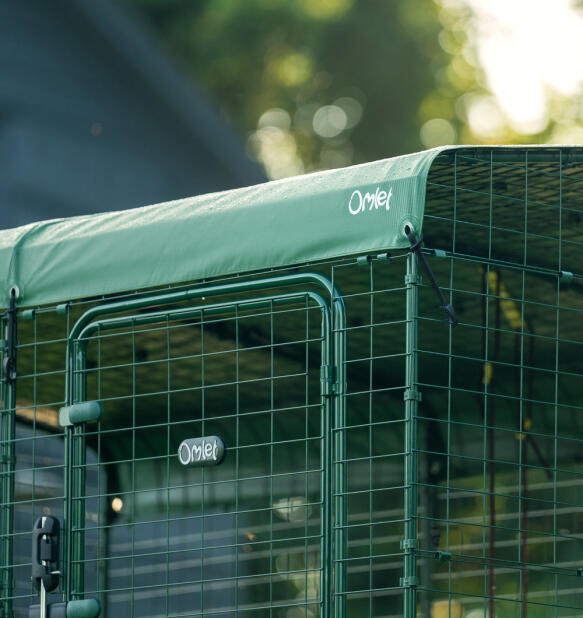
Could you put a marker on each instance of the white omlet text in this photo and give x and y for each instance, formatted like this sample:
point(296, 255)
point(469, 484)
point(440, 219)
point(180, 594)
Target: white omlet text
point(359, 202)
point(209, 450)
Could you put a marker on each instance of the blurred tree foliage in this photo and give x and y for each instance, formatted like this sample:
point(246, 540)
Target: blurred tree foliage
point(345, 81)
point(318, 84)
point(466, 95)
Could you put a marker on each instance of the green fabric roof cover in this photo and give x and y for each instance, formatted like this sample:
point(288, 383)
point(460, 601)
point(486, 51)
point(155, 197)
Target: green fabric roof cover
point(317, 216)
point(274, 224)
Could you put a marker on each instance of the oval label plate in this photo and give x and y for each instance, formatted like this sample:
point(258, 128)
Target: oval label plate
point(206, 451)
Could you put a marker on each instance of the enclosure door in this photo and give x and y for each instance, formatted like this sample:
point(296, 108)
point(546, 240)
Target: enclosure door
point(195, 533)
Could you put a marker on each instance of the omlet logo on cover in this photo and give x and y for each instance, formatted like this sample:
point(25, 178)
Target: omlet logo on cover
point(379, 199)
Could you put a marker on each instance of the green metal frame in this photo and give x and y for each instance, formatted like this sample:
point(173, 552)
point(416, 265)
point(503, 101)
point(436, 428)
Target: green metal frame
point(7, 463)
point(333, 346)
point(411, 397)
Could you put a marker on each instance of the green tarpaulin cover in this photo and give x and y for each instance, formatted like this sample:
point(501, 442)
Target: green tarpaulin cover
point(354, 210)
point(357, 209)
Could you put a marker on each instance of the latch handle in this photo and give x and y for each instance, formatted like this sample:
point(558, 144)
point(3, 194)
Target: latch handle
point(9, 362)
point(45, 553)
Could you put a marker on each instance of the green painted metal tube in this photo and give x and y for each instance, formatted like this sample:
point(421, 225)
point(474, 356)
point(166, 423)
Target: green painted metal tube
point(173, 297)
point(189, 312)
point(409, 544)
point(87, 608)
point(83, 412)
point(215, 290)
point(7, 463)
point(339, 327)
point(326, 475)
point(7, 452)
point(76, 437)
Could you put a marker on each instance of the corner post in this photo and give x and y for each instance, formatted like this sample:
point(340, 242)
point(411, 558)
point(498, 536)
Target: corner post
point(409, 580)
point(7, 453)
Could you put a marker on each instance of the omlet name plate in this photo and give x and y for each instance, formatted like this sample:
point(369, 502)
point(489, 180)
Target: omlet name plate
point(207, 451)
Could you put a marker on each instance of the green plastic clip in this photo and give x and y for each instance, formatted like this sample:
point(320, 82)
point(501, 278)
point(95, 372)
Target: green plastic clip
point(364, 260)
point(62, 309)
point(83, 412)
point(443, 556)
point(412, 394)
point(28, 315)
point(327, 379)
point(87, 608)
point(408, 544)
point(566, 277)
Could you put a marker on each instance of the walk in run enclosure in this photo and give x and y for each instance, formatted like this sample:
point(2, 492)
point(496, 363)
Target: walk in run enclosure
point(348, 394)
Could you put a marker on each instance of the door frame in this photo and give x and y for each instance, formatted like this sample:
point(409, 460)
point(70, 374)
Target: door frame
point(333, 530)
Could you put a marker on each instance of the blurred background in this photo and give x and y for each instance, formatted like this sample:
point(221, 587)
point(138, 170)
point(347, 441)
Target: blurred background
point(106, 105)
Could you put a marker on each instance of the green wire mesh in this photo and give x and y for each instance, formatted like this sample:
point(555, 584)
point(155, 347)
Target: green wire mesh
point(245, 534)
point(383, 466)
point(499, 427)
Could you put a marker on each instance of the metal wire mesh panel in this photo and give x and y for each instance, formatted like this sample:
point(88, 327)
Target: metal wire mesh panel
point(378, 462)
point(33, 454)
point(242, 536)
point(499, 436)
point(371, 458)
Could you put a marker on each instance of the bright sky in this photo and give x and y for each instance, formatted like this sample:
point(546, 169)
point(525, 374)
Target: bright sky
point(525, 47)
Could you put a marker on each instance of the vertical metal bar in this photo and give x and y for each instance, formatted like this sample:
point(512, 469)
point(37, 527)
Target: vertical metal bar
point(133, 509)
point(306, 457)
point(370, 438)
point(326, 560)
point(411, 409)
point(78, 464)
point(557, 332)
point(271, 462)
point(489, 405)
point(523, 445)
point(237, 456)
point(448, 492)
point(339, 455)
point(43, 599)
point(202, 496)
point(102, 506)
point(168, 455)
point(7, 461)
point(490, 416)
point(71, 376)
point(74, 481)
point(43, 592)
point(522, 451)
point(67, 517)
point(34, 445)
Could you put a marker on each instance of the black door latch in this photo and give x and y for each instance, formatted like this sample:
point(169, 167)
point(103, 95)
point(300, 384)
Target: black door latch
point(45, 566)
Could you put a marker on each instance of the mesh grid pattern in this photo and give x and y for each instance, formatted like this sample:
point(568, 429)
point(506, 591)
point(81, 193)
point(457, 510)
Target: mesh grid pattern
point(378, 462)
point(245, 534)
point(500, 438)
